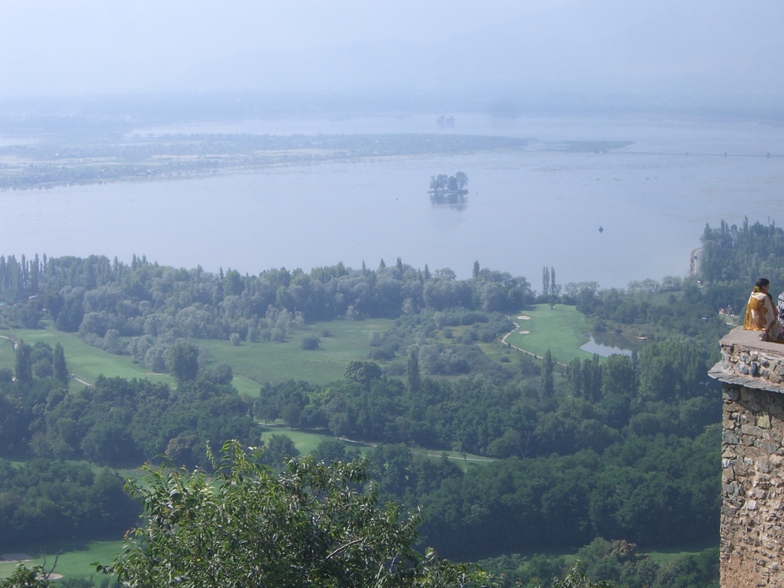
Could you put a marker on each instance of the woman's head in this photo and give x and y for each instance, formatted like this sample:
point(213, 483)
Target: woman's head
point(762, 282)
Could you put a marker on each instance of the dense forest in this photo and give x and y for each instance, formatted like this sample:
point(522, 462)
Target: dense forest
point(608, 456)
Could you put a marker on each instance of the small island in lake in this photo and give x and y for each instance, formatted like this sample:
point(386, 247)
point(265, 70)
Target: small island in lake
point(448, 189)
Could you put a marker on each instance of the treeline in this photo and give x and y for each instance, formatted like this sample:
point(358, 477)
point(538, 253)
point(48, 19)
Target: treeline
point(648, 490)
point(119, 422)
point(524, 410)
point(143, 308)
point(735, 255)
point(658, 491)
point(58, 501)
point(654, 310)
point(609, 561)
point(730, 261)
point(627, 448)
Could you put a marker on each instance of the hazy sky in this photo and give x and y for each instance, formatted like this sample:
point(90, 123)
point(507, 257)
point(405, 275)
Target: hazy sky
point(54, 47)
point(78, 46)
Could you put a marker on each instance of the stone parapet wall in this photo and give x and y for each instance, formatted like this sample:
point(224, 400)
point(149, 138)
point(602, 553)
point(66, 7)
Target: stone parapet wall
point(752, 513)
point(747, 361)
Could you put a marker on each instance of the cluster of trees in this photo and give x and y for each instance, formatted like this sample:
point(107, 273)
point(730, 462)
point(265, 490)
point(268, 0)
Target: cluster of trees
point(524, 410)
point(41, 360)
point(608, 563)
point(216, 532)
point(143, 308)
point(660, 491)
point(309, 526)
point(445, 188)
point(657, 492)
point(118, 422)
point(66, 499)
point(735, 255)
point(446, 121)
point(731, 260)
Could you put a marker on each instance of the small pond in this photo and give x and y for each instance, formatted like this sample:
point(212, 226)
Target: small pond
point(607, 344)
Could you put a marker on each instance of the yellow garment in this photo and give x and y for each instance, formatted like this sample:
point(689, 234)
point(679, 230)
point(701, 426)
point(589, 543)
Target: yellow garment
point(761, 315)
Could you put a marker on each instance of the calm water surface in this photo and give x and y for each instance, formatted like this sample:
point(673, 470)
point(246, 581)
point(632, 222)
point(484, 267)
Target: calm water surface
point(526, 210)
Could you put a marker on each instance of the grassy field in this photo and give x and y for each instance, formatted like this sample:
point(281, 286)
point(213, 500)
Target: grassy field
point(84, 361)
point(562, 330)
point(278, 362)
point(252, 363)
point(74, 560)
point(667, 557)
point(305, 442)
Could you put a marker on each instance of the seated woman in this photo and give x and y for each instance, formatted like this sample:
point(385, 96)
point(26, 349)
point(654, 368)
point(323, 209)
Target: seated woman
point(762, 315)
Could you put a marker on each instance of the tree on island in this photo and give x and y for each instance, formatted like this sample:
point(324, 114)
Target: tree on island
point(445, 188)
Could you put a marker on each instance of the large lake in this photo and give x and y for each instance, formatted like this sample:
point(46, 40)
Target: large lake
point(526, 210)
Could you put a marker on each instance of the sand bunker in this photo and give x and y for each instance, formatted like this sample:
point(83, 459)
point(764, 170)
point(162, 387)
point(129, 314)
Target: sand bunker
point(524, 317)
point(23, 557)
point(9, 557)
point(523, 332)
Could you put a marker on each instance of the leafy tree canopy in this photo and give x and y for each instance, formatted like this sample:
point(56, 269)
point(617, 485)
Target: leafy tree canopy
point(310, 526)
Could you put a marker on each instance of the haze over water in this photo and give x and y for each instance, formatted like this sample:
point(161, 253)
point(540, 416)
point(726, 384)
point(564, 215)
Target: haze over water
point(526, 209)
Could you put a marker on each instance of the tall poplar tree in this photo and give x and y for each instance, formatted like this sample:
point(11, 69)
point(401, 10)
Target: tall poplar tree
point(412, 372)
point(23, 369)
point(548, 383)
point(58, 363)
point(545, 281)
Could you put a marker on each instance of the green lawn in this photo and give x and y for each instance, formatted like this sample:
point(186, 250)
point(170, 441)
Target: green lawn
point(667, 557)
point(84, 361)
point(73, 561)
point(279, 362)
point(305, 442)
point(562, 330)
point(252, 363)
